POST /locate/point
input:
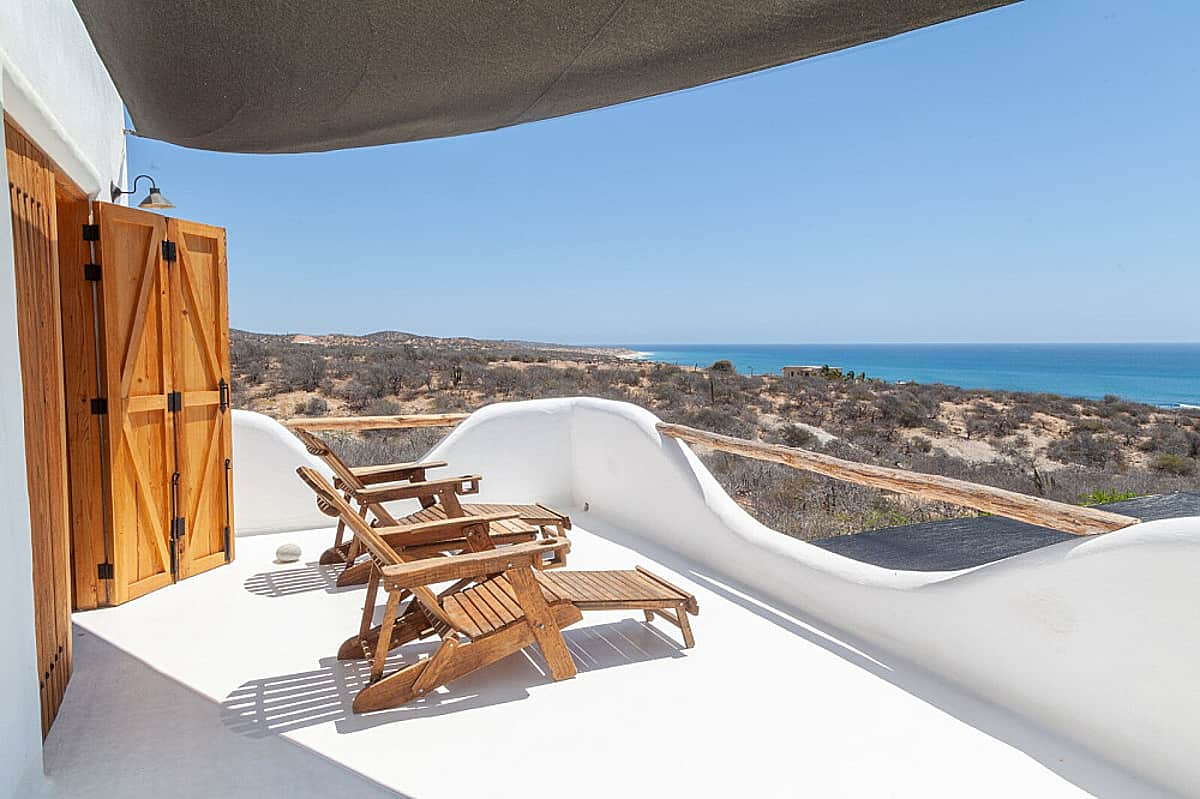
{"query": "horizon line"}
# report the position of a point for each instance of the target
(636, 344)
(893, 344)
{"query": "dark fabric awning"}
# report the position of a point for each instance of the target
(302, 75)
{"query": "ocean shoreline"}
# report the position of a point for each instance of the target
(1165, 375)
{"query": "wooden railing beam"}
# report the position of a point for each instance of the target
(1010, 504)
(358, 423)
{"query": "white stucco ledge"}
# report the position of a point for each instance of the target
(1091, 642)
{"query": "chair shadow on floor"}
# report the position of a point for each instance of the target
(280, 704)
(312, 576)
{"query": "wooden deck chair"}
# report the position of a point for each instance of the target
(438, 499)
(497, 604)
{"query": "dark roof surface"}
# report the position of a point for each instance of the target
(963, 543)
(301, 75)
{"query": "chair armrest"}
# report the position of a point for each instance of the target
(474, 564)
(465, 484)
(393, 472)
(409, 535)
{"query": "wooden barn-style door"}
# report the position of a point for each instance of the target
(33, 190)
(141, 447)
(202, 424)
(166, 457)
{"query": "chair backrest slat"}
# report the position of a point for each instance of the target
(379, 549)
(328, 496)
(318, 447)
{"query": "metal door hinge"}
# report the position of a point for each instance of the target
(91, 272)
(91, 233)
(228, 511)
(104, 571)
(168, 251)
(99, 406)
(175, 402)
(223, 389)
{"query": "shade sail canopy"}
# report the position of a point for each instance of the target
(303, 75)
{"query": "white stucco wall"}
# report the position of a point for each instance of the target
(56, 88)
(1094, 640)
(20, 722)
(53, 85)
(267, 498)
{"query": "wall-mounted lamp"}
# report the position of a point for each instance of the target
(153, 200)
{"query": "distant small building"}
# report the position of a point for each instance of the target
(800, 371)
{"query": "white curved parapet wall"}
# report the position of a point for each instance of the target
(1095, 640)
(268, 497)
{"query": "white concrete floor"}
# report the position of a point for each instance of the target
(226, 685)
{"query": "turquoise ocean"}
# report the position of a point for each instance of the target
(1159, 374)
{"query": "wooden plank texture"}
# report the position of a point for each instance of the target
(203, 430)
(1010, 504)
(33, 197)
(84, 447)
(376, 422)
(135, 340)
(163, 330)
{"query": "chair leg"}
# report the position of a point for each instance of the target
(540, 619)
(335, 555)
(685, 627)
(368, 614)
(679, 618)
(428, 679)
(341, 550)
(385, 634)
(398, 687)
(353, 574)
(557, 559)
(354, 550)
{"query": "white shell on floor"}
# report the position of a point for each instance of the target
(287, 553)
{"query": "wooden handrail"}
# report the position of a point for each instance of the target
(399, 422)
(1011, 504)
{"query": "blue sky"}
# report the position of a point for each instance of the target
(1027, 174)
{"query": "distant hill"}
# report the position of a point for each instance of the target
(1066, 449)
(399, 338)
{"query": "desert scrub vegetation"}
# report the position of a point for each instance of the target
(1067, 449)
(1102, 497)
(1170, 463)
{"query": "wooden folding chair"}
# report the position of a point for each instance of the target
(497, 604)
(369, 487)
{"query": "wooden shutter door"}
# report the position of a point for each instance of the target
(90, 517)
(31, 184)
(203, 426)
(141, 445)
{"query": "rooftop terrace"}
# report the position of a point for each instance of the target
(259, 707)
(812, 673)
(1067, 669)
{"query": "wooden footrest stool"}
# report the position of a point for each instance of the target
(636, 589)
